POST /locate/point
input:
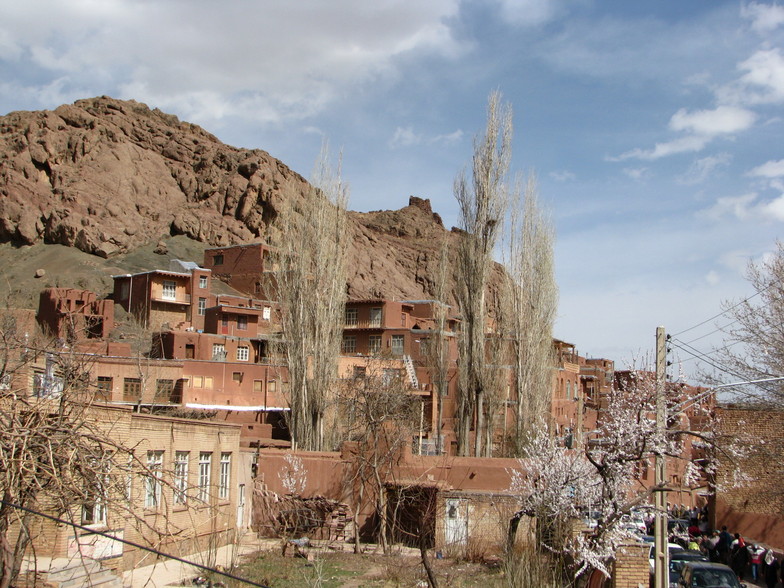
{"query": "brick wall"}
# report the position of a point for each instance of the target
(631, 568)
(756, 509)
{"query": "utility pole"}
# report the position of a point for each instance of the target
(661, 563)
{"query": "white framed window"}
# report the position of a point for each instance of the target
(243, 353)
(349, 344)
(218, 352)
(152, 494)
(202, 282)
(242, 322)
(374, 344)
(94, 507)
(169, 290)
(351, 317)
(224, 477)
(266, 312)
(397, 344)
(375, 317)
(202, 308)
(181, 460)
(205, 471)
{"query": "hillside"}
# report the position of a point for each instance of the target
(97, 187)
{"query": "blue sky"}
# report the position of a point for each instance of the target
(654, 128)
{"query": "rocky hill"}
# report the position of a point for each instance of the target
(112, 178)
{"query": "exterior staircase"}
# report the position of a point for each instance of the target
(411, 371)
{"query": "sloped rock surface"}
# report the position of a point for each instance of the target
(109, 176)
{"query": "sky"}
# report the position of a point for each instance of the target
(654, 128)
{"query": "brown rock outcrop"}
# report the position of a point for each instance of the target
(108, 176)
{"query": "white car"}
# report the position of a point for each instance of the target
(652, 555)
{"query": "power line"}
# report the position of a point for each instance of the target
(725, 311)
(132, 544)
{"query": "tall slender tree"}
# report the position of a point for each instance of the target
(528, 309)
(310, 281)
(482, 204)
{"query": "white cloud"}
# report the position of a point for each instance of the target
(739, 207)
(563, 176)
(712, 278)
(266, 61)
(639, 173)
(704, 126)
(404, 137)
(682, 145)
(775, 208)
(701, 169)
(407, 137)
(763, 17)
(763, 82)
(769, 169)
(724, 119)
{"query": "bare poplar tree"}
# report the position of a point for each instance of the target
(310, 281)
(530, 302)
(437, 349)
(482, 203)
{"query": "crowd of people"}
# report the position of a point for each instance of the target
(746, 558)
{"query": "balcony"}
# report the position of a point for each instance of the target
(366, 324)
(181, 299)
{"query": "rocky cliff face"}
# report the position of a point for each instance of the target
(109, 176)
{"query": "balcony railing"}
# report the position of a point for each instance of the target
(357, 324)
(178, 299)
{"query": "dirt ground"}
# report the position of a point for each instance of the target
(333, 568)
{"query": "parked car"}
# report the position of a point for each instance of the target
(704, 574)
(673, 548)
(678, 559)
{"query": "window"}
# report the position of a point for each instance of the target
(217, 260)
(568, 389)
(349, 344)
(218, 352)
(181, 459)
(389, 376)
(198, 381)
(169, 290)
(5, 382)
(202, 282)
(397, 344)
(225, 321)
(237, 377)
(94, 507)
(164, 390)
(208, 381)
(266, 312)
(402, 319)
(374, 344)
(243, 353)
(360, 371)
(375, 317)
(152, 489)
(103, 388)
(351, 317)
(202, 308)
(258, 385)
(272, 386)
(205, 465)
(132, 389)
(224, 477)
(242, 323)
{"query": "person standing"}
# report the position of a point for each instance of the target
(739, 556)
(771, 569)
(755, 559)
(723, 546)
